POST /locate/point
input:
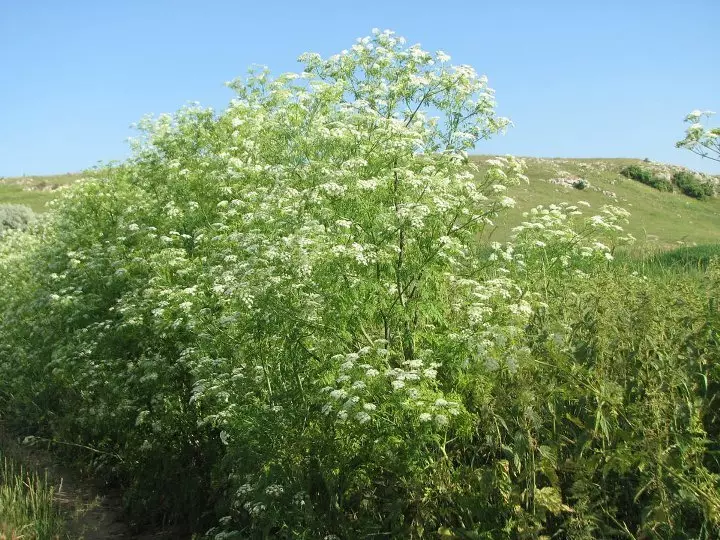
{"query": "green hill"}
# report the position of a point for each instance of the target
(659, 220)
(34, 191)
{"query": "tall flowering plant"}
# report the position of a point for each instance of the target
(284, 308)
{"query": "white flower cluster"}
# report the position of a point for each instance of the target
(350, 397)
(699, 138)
(558, 232)
(366, 384)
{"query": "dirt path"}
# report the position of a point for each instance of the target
(92, 514)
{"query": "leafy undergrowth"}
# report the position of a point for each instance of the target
(278, 322)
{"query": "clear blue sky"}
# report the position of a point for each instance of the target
(581, 78)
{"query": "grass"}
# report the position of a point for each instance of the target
(27, 506)
(34, 191)
(691, 257)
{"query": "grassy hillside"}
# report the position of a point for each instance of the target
(659, 220)
(34, 191)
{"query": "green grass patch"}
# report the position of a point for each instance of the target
(27, 506)
(691, 257)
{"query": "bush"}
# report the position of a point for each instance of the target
(226, 281)
(691, 186)
(635, 172)
(15, 216)
(661, 184)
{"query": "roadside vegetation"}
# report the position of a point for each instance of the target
(299, 318)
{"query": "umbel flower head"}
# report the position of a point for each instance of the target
(699, 138)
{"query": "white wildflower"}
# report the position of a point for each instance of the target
(338, 394)
(244, 490)
(274, 490)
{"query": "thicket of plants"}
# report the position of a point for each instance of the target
(15, 216)
(278, 321)
(689, 184)
(645, 176)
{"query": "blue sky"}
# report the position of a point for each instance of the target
(582, 78)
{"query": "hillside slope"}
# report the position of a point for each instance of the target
(657, 219)
(34, 191)
(660, 220)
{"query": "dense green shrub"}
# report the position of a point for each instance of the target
(278, 320)
(15, 216)
(691, 186)
(635, 172)
(661, 184)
